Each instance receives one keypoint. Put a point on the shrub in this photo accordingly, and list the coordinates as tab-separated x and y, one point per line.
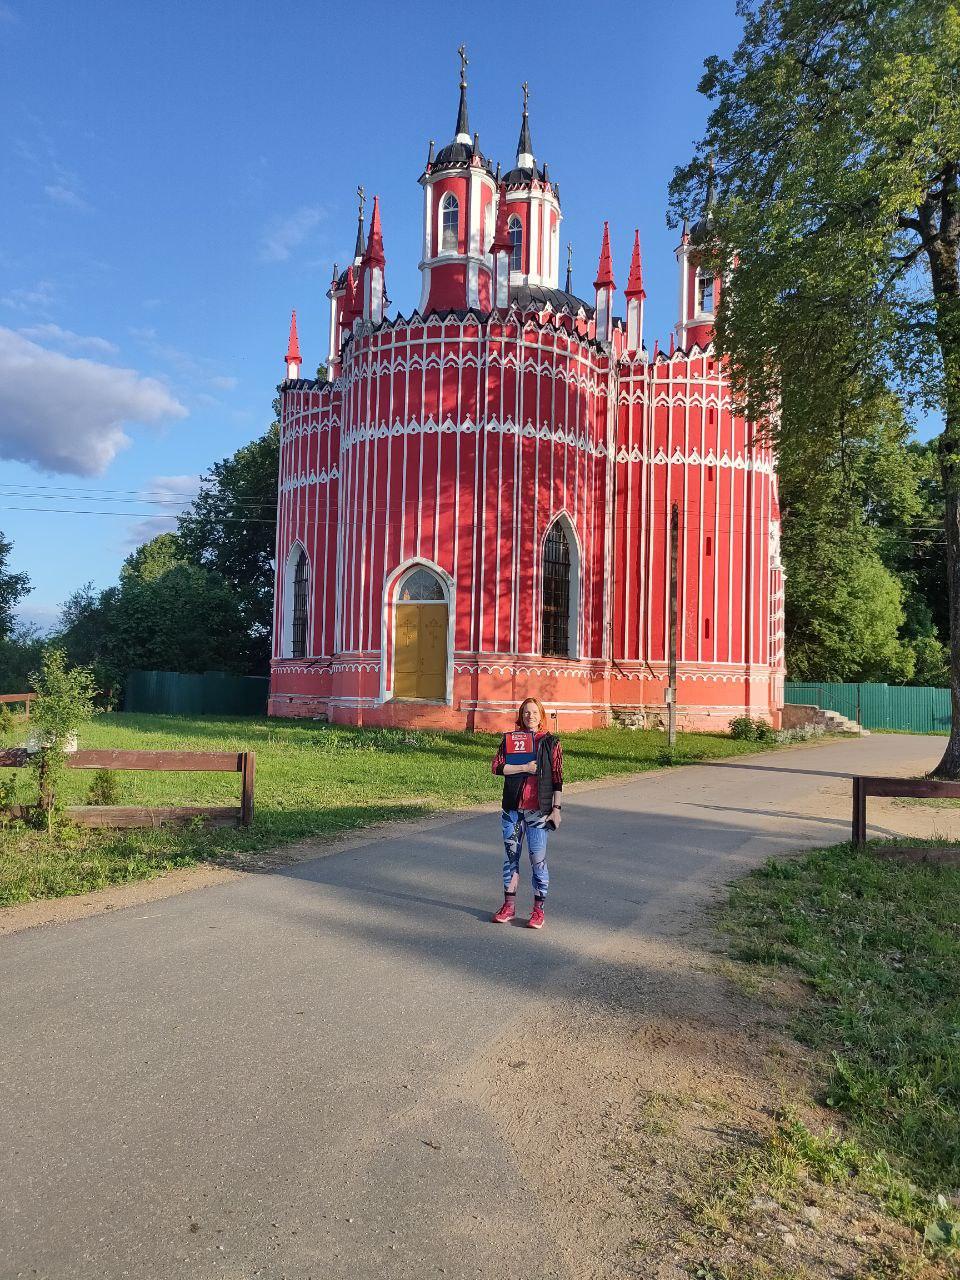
741	727
63	703
104	788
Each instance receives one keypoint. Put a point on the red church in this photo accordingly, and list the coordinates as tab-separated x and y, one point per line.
475	504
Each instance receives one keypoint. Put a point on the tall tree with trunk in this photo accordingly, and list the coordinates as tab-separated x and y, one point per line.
836	220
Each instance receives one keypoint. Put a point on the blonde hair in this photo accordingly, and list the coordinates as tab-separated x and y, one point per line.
540	707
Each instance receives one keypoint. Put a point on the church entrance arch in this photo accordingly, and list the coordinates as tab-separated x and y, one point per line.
421	636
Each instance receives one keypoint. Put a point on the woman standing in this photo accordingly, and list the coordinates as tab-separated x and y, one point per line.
530	760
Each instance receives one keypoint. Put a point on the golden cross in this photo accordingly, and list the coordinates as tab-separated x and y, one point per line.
464	63
569	256
362	196
526	95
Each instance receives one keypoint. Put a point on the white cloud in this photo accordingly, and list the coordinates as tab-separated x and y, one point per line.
67	197
194	368
173	494
67	338
283	235
38	298
66	414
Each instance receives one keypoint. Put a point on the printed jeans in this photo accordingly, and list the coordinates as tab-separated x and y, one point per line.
514	824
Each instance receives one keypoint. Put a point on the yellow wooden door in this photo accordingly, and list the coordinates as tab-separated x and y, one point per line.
420	651
432	671
406	651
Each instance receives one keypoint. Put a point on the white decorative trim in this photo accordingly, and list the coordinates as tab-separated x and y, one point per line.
315	477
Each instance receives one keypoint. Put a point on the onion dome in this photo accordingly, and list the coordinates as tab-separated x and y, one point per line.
703	226
459	153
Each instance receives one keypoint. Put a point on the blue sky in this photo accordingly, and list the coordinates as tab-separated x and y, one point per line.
177	176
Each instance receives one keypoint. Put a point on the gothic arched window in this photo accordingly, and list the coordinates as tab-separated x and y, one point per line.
556	592
449	224
301	581
421	584
515	232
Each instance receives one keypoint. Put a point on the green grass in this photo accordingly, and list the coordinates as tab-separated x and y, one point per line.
312	780
878	944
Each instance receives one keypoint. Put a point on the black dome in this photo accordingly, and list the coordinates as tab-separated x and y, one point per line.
455	155
522	177
538	295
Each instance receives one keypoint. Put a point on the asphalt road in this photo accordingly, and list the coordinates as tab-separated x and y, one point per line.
264	1078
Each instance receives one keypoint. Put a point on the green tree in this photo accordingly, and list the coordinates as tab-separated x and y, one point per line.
230	528
153	559
20	653
13	587
836	222
64	703
186	619
165	614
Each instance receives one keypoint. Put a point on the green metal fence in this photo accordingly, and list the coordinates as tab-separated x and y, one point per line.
916	708
214	693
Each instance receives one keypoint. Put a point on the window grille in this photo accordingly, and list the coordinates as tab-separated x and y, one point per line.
421	584
704	292
515	231
556	594
301	576
450	230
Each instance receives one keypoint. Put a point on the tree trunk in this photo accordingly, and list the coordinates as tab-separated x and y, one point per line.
946	293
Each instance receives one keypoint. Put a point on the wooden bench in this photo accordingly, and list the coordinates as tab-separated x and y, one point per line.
92	815
920	788
25	698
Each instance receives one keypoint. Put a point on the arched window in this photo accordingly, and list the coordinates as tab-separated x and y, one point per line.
449	224
295	618
301	580
421	584
515	231
556	592
704	293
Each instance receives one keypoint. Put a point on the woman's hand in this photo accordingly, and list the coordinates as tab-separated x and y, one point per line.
555	815
531	767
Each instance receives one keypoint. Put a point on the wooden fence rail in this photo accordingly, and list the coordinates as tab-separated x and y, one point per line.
921	788
242	762
25	698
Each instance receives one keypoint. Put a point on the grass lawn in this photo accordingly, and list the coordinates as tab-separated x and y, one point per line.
877	945
312	780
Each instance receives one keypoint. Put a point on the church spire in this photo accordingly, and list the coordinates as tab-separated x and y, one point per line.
635	279
293	350
524	145
463	124
635	295
604	286
604	278
361	239
372	288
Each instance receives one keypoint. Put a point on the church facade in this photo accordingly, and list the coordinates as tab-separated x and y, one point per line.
476	503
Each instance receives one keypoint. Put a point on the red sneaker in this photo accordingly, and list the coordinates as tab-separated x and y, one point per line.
506	912
536	918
